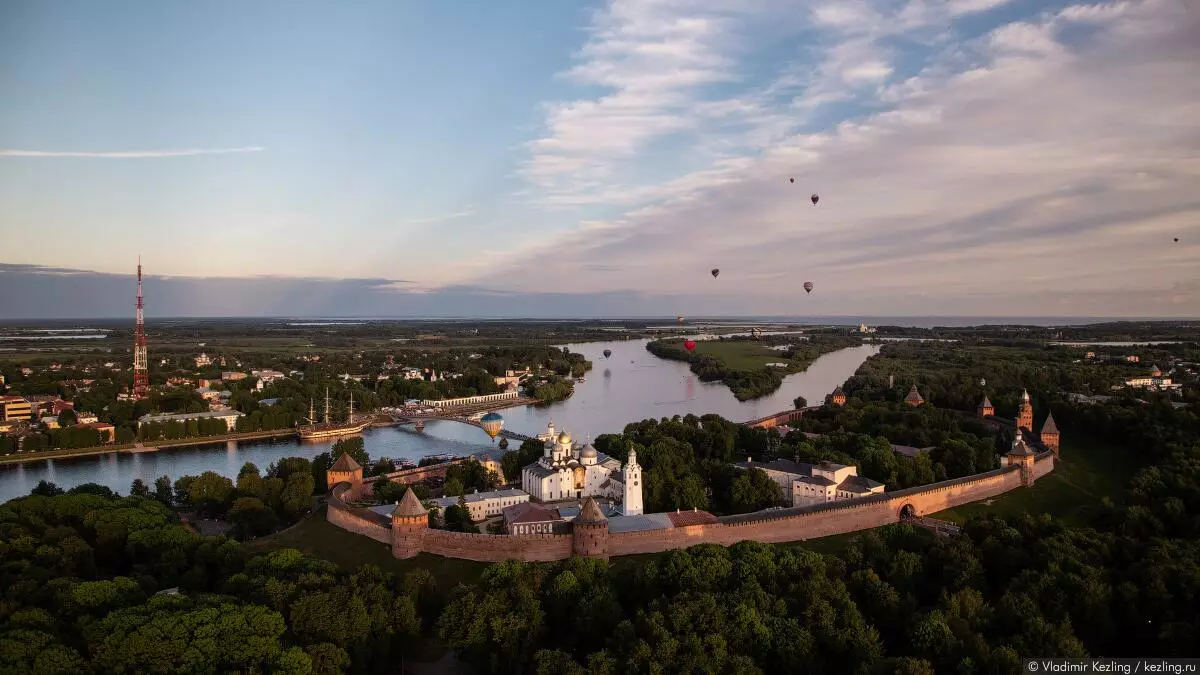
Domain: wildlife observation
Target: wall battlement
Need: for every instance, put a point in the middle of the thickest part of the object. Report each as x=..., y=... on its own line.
x=779, y=526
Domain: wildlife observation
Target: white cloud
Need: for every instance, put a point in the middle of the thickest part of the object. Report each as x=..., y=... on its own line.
x=442, y=218
x=130, y=154
x=1026, y=161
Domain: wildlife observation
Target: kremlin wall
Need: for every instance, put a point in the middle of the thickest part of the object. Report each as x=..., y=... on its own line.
x=408, y=533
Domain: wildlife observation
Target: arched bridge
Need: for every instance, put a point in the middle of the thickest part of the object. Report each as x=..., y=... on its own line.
x=451, y=417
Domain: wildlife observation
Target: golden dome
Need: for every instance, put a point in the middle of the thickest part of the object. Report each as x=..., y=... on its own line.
x=564, y=438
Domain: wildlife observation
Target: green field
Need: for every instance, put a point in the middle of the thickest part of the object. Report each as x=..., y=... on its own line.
x=740, y=355
x=1089, y=470
x=316, y=536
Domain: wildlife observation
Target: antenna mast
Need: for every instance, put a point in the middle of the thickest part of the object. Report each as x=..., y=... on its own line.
x=141, y=377
x=326, y=405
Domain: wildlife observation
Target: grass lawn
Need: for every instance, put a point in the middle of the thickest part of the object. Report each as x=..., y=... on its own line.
x=740, y=355
x=318, y=537
x=1090, y=469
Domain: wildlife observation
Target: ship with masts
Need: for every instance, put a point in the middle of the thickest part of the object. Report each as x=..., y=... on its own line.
x=327, y=429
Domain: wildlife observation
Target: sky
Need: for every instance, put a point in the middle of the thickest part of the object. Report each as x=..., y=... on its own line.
x=976, y=157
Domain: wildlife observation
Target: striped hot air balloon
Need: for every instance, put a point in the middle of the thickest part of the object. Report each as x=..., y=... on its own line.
x=492, y=423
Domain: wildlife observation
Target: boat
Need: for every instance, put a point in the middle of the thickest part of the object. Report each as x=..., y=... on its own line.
x=327, y=429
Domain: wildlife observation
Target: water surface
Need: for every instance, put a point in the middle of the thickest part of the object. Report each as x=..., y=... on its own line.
x=630, y=386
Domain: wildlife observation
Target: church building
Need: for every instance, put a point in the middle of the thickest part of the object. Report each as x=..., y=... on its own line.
x=566, y=471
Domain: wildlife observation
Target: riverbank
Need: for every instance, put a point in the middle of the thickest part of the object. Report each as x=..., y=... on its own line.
x=145, y=446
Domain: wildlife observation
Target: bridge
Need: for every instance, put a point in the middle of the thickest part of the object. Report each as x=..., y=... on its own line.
x=419, y=421
x=778, y=419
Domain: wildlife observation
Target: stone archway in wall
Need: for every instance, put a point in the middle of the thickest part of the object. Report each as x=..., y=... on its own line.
x=908, y=512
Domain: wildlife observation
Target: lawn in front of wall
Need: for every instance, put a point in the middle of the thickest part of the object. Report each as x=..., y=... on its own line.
x=318, y=537
x=737, y=355
x=1089, y=470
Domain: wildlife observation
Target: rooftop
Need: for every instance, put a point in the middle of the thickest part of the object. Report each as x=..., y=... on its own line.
x=481, y=496
x=345, y=463
x=182, y=417
x=528, y=512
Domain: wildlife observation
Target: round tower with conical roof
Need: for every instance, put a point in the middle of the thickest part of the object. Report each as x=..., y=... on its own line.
x=410, y=520
x=590, y=531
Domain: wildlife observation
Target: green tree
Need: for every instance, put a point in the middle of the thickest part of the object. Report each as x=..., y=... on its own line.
x=162, y=490
x=251, y=517
x=138, y=488
x=67, y=418
x=211, y=493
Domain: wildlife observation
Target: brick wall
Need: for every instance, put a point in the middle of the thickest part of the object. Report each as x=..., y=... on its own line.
x=417, y=474
x=780, y=526
x=822, y=520
x=358, y=521
x=497, y=547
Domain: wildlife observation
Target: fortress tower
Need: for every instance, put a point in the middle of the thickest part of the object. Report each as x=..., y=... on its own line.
x=590, y=531
x=985, y=408
x=1025, y=412
x=345, y=470
x=410, y=520
x=1021, y=455
x=631, y=505
x=1049, y=434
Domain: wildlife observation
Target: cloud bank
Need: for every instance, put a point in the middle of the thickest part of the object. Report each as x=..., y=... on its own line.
x=130, y=154
x=964, y=157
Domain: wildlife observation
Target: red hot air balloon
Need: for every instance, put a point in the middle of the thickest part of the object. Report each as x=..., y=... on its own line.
x=808, y=286
x=689, y=345
x=815, y=198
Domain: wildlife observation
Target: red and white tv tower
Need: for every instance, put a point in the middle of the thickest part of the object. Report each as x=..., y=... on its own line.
x=141, y=377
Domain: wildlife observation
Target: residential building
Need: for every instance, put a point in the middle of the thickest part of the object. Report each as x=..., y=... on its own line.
x=230, y=417
x=530, y=518
x=803, y=484
x=233, y=376
x=209, y=395
x=492, y=460
x=483, y=505
x=15, y=409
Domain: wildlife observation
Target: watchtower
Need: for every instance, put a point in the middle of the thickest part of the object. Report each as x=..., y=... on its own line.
x=590, y=531
x=1049, y=434
x=1025, y=412
x=410, y=521
x=1021, y=456
x=986, y=409
x=345, y=470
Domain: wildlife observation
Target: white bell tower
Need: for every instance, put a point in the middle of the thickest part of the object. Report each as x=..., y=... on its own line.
x=632, y=504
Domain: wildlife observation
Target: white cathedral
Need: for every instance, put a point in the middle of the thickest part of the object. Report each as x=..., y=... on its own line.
x=568, y=472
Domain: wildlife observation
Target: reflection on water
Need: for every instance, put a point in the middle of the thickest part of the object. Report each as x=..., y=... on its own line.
x=635, y=385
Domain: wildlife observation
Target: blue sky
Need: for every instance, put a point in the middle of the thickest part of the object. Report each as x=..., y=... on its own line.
x=986, y=154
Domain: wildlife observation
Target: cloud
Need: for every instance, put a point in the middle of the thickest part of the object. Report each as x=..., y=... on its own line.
x=440, y=219
x=130, y=154
x=1047, y=154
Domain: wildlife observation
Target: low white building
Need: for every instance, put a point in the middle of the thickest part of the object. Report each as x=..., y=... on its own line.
x=804, y=484
x=229, y=417
x=485, y=504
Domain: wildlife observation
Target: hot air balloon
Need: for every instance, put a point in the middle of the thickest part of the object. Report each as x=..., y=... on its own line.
x=1177, y=240
x=791, y=180
x=815, y=198
x=492, y=423
x=679, y=319
x=715, y=272
x=808, y=286
x=607, y=353
x=689, y=345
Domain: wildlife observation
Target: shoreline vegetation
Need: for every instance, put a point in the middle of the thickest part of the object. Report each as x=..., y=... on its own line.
x=742, y=363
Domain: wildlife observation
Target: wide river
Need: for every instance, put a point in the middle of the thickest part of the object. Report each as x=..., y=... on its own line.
x=630, y=386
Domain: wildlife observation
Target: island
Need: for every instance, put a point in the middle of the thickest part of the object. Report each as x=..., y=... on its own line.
x=751, y=366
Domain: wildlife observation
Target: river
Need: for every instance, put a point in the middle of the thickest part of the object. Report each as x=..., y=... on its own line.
x=630, y=386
